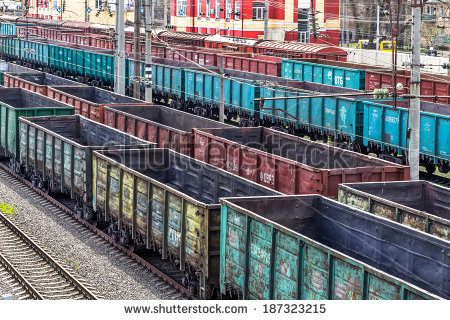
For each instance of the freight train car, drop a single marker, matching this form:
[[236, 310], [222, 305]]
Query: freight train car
[[160, 199], [167, 127], [385, 133], [289, 164], [35, 81], [433, 85], [311, 247], [6, 67], [56, 154], [335, 73], [89, 101], [15, 103], [418, 204]]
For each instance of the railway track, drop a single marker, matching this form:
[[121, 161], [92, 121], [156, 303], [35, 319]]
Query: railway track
[[40, 276], [444, 181], [169, 278]]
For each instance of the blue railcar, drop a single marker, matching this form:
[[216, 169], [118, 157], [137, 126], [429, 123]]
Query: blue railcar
[[34, 53], [385, 133], [8, 29], [334, 73], [168, 84]]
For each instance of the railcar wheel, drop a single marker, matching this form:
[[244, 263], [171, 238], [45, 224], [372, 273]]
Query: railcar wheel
[[444, 168], [132, 246], [430, 167]]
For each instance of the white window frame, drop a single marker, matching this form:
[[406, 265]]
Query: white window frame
[[227, 9], [259, 12], [237, 8], [199, 8], [217, 12], [98, 4], [208, 9], [181, 5]]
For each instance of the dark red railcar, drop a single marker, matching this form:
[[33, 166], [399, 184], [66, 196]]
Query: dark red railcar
[[182, 38], [434, 85], [287, 163], [300, 50], [89, 101], [35, 81], [270, 66], [167, 127]]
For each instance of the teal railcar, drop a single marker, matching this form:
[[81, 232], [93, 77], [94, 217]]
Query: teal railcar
[[99, 67], [311, 247], [66, 61], [334, 73]]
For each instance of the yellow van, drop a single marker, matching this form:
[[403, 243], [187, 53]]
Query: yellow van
[[387, 46]]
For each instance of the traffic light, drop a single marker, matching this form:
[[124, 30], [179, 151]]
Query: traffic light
[[63, 6], [381, 93]]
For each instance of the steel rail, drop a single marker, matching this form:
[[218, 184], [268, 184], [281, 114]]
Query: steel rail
[[103, 235], [45, 256], [28, 287]]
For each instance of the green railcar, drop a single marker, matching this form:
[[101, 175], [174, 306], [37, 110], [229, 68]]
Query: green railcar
[[314, 248], [15, 103]]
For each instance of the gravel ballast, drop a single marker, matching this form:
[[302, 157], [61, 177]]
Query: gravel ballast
[[106, 270]]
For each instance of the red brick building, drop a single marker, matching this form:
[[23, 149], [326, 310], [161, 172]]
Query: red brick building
[[245, 18]]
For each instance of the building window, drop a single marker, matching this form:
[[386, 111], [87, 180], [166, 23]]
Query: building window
[[228, 8], [208, 8], [199, 8], [302, 37], [237, 10], [99, 4], [258, 11], [217, 9], [442, 11], [181, 8]]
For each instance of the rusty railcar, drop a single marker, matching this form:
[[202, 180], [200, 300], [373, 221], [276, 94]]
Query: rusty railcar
[[290, 164], [167, 127], [36, 81], [421, 205], [89, 101], [311, 247], [161, 199], [56, 154]]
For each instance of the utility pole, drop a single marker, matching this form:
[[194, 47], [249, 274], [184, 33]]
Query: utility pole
[[378, 27], [119, 61], [148, 50], [348, 24], [137, 50], [266, 20], [341, 23], [222, 97], [414, 111], [165, 13], [86, 14]]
